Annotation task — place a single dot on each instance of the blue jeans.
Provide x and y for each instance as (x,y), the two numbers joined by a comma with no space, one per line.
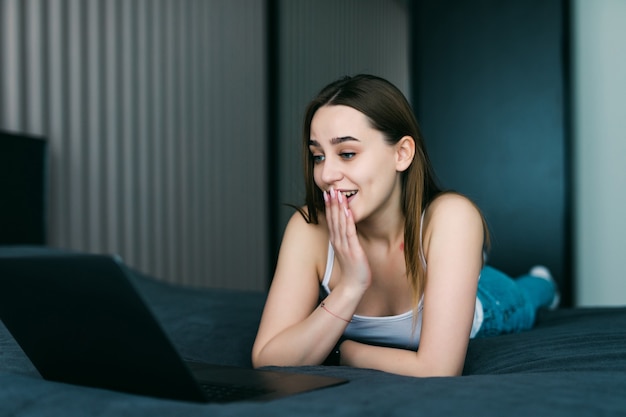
(510,305)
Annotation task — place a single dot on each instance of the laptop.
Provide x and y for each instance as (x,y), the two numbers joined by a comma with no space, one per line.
(80,320)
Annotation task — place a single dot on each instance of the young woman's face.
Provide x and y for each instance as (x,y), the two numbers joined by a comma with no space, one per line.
(353,158)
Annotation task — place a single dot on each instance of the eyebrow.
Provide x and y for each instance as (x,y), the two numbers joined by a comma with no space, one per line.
(334,141)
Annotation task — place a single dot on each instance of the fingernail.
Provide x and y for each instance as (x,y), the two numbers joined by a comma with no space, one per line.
(340,197)
(332,193)
(325,196)
(345,210)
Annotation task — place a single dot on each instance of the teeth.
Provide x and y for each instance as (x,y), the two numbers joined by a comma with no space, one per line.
(348,193)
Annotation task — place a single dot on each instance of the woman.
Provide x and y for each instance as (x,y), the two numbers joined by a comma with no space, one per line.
(398,259)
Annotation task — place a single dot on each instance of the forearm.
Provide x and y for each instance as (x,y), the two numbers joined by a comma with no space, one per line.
(395,361)
(310,341)
(306,343)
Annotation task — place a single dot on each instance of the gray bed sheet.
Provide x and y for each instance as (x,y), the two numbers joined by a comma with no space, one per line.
(573,363)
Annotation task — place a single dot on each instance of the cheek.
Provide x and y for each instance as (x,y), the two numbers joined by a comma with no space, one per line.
(382,175)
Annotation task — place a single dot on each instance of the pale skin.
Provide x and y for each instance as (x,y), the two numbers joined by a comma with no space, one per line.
(360,175)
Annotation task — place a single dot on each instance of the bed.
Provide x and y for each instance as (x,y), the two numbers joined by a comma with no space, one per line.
(573,363)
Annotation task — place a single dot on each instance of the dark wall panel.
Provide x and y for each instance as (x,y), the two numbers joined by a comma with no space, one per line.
(489,92)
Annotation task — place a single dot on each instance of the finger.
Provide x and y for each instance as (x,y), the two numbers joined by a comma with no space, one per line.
(332,216)
(339,219)
(346,226)
(350,229)
(350,225)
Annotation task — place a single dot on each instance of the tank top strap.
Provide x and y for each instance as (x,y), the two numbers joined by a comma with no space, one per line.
(330,261)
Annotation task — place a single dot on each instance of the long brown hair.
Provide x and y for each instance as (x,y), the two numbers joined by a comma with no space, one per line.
(389,112)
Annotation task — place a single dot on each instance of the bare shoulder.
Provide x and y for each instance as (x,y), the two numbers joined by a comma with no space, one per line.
(455,213)
(452,204)
(305,243)
(302,229)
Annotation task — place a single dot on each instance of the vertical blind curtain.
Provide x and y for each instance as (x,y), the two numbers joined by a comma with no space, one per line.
(155,115)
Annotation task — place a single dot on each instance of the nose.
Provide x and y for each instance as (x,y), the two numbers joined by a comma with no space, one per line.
(330,171)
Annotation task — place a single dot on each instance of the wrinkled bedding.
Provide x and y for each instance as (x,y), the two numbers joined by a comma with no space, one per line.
(573,363)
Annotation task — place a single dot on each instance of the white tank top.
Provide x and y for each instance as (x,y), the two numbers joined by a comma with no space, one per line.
(393,331)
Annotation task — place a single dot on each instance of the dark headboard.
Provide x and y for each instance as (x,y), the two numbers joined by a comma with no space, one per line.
(22,189)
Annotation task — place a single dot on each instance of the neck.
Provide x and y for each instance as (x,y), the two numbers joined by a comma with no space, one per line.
(387,230)
(386,225)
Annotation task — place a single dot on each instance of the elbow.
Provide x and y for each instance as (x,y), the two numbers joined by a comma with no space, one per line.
(434,368)
(258,359)
(263,357)
(259,363)
(433,364)
(441,371)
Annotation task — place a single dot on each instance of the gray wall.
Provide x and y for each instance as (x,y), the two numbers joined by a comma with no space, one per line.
(156,113)
(156,120)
